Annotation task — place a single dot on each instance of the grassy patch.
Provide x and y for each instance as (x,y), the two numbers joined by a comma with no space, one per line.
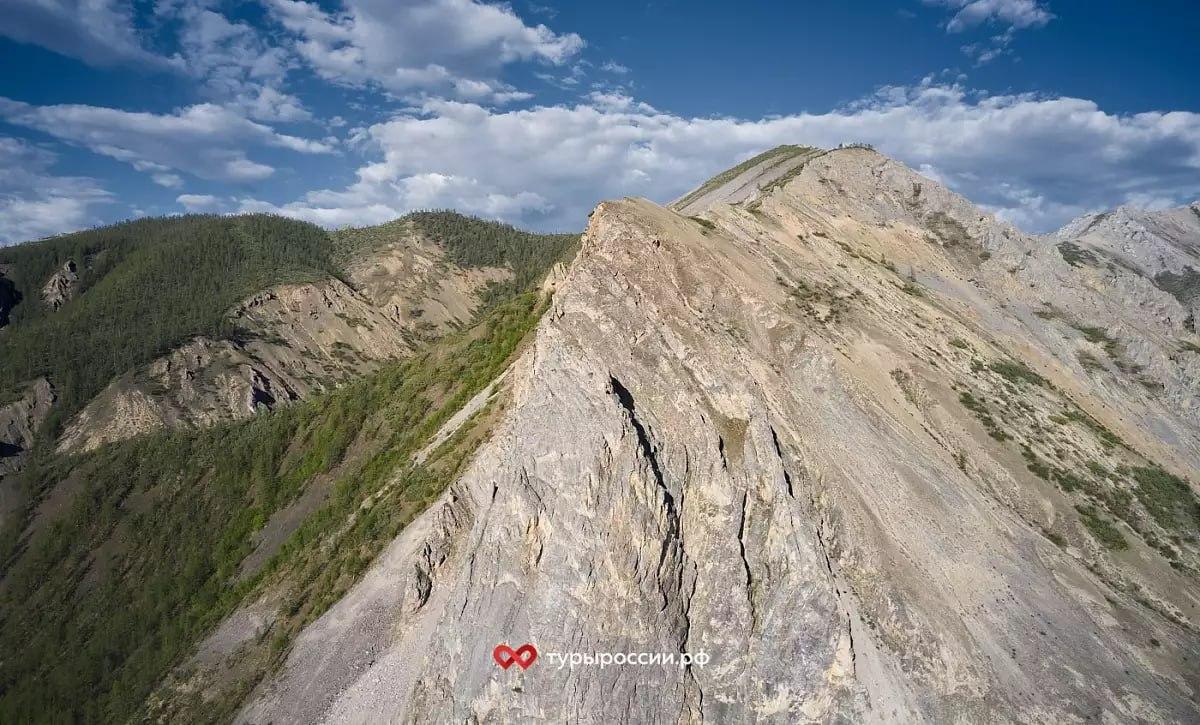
(1101,529)
(1167,498)
(1075,255)
(1183,286)
(1016,372)
(732,173)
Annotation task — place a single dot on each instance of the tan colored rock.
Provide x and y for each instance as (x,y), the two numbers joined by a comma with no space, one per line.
(299,339)
(60,288)
(752,436)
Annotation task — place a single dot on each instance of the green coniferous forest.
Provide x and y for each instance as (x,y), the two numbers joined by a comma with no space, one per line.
(144,287)
(128,555)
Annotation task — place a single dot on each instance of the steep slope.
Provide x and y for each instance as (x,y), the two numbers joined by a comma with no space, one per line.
(1163,246)
(9,297)
(190,321)
(292,341)
(137,290)
(134,551)
(121,548)
(834,433)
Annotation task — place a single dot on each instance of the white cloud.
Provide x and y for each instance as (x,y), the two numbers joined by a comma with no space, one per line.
(204,140)
(198,202)
(35,203)
(234,62)
(99,32)
(1017,14)
(171,181)
(436,46)
(986,51)
(1036,161)
(614,67)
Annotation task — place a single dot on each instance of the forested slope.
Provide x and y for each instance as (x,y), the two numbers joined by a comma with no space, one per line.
(143,555)
(144,288)
(120,559)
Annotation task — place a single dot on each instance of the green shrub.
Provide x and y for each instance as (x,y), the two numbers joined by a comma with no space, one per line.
(1167,497)
(1016,372)
(1101,529)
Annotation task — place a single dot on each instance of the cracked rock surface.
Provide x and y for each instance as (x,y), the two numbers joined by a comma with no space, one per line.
(744,436)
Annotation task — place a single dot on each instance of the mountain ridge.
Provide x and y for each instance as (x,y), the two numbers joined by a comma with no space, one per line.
(877,454)
(814,434)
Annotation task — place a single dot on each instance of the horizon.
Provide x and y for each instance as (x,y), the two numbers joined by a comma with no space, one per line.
(346,114)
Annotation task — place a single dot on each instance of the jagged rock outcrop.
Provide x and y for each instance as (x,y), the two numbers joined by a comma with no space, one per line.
(833,431)
(297,340)
(20,419)
(1162,246)
(60,288)
(9,297)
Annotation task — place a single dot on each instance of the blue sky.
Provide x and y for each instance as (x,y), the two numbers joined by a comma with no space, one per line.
(352,112)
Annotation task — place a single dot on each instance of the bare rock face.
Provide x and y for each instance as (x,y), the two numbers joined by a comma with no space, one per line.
(60,288)
(9,297)
(817,434)
(1162,246)
(19,421)
(418,287)
(299,339)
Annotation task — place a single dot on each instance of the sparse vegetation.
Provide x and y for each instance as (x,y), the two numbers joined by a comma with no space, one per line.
(1016,372)
(147,557)
(1101,529)
(979,408)
(1089,361)
(1075,255)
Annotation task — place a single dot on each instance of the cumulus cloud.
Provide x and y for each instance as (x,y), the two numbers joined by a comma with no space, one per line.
(204,140)
(1017,14)
(435,46)
(1037,161)
(198,202)
(171,181)
(99,32)
(34,202)
(235,63)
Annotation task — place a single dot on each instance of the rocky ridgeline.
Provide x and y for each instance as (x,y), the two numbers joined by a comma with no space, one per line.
(875,454)
(294,340)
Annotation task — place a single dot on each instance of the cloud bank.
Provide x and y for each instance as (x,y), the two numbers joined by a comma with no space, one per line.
(1036,161)
(34,202)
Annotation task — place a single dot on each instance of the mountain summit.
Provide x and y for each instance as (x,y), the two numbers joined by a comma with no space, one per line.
(821,441)
(875,454)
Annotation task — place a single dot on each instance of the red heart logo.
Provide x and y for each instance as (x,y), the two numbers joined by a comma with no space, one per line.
(506,656)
